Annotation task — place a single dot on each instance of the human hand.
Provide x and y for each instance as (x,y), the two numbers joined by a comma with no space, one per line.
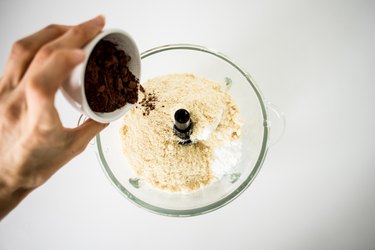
(34,144)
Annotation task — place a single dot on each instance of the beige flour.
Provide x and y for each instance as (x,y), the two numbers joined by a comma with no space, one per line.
(153,149)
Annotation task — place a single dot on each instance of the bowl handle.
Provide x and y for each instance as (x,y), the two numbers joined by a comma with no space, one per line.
(276,123)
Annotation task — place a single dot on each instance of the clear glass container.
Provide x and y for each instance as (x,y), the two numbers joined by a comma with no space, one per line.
(255,133)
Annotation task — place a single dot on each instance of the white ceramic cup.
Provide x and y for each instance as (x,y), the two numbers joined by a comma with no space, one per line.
(74,88)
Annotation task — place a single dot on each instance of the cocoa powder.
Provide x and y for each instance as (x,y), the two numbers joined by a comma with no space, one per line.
(109,84)
(148,102)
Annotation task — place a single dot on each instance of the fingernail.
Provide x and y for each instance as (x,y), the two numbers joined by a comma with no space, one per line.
(98,21)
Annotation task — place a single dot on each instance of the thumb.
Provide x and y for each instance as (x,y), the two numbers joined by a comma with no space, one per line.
(84,133)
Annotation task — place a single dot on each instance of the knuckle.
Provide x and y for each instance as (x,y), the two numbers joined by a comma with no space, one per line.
(35,87)
(45,52)
(21,47)
(33,83)
(64,57)
(61,56)
(55,28)
(79,31)
(14,110)
(11,111)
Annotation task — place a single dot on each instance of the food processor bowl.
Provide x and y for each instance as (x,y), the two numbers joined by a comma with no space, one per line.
(255,137)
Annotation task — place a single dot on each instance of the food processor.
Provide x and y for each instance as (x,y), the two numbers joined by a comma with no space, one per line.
(258,115)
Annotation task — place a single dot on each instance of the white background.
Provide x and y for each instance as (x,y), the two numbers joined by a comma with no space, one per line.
(316,190)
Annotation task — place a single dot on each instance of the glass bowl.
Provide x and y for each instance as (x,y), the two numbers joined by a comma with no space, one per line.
(255,113)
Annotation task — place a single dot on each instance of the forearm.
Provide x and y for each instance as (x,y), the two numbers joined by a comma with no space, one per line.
(10,196)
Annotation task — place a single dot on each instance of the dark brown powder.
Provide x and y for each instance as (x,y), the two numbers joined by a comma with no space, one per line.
(109,84)
(148,102)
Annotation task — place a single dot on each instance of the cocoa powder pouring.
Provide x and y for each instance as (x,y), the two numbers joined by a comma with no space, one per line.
(109,84)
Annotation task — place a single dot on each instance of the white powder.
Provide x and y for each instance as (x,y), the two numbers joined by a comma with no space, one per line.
(207,131)
(226,158)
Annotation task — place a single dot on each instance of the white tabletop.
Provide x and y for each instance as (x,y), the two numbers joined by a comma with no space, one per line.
(314,59)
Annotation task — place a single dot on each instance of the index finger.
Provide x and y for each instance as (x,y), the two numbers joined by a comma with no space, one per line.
(75,38)
(78,36)
(25,49)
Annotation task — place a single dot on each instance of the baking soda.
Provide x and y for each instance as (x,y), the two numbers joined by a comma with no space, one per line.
(226,158)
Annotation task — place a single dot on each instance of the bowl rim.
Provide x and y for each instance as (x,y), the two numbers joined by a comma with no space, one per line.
(234,194)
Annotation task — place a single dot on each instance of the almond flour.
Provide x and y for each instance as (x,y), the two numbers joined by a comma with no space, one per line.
(153,150)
